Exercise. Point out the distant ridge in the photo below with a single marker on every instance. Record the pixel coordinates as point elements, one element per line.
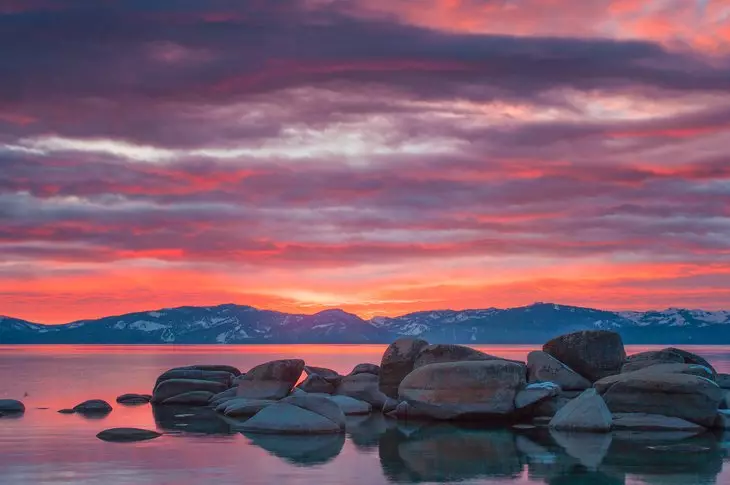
<point>240,324</point>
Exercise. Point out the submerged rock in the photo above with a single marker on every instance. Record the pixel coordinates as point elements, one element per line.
<point>127,435</point>
<point>397,362</point>
<point>594,354</point>
<point>11,406</point>
<point>454,390</point>
<point>272,380</point>
<point>587,412</point>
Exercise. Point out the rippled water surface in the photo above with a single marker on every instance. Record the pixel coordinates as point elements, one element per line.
<point>46,447</point>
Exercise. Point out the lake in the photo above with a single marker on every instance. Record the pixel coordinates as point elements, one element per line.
<point>44,447</point>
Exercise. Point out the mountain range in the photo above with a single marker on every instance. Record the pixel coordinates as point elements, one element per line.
<point>238,324</point>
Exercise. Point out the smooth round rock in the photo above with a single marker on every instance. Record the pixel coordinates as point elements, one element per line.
<point>134,398</point>
<point>93,406</point>
<point>11,406</point>
<point>127,435</point>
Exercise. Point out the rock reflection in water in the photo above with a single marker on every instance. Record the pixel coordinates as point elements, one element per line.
<point>365,431</point>
<point>448,453</point>
<point>186,419</point>
<point>302,450</point>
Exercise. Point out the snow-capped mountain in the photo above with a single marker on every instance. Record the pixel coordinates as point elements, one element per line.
<point>236,324</point>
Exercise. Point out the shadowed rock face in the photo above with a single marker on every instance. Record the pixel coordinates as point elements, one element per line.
<point>594,354</point>
<point>364,387</point>
<point>442,353</point>
<point>455,390</point>
<point>690,358</point>
<point>643,360</point>
<point>543,367</point>
<point>398,360</point>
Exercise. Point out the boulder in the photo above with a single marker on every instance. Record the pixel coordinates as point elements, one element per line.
<point>93,406</point>
<point>594,354</point>
<point>192,398</point>
<point>543,367</point>
<point>127,435</point>
<point>723,380</point>
<point>397,362</point>
<point>11,406</point>
<point>173,387</point>
<point>221,396</point>
<point>319,384</point>
<point>364,387</point>
<point>365,369</point>
<point>647,359</point>
<point>652,422</point>
<point>131,399</point>
<point>690,358</point>
<point>549,407</point>
<point>536,393</point>
<point>442,353</point>
<point>225,378</point>
<point>272,380</point>
<point>455,390</point>
<point>237,408</point>
<point>350,406</point>
<point>324,406</point>
<point>389,405</point>
<point>587,412</point>
<point>322,372</point>
<point>689,369</point>
<point>651,391</point>
<point>284,418</point>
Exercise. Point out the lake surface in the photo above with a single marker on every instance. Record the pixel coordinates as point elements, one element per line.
<point>46,447</point>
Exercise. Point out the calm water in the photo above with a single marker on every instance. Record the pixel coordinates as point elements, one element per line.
<point>46,447</point>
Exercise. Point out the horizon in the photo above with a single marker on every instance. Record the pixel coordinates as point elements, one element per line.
<point>384,157</point>
<point>364,318</point>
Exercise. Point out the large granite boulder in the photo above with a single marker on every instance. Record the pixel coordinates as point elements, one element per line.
<point>643,360</point>
<point>223,377</point>
<point>455,390</point>
<point>127,435</point>
<point>442,353</point>
<point>323,406</point>
<point>11,406</point>
<point>594,354</point>
<point>365,369</point>
<point>286,418</point>
<point>543,367</point>
<point>397,362</point>
<point>272,380</point>
<point>652,422</point>
<point>214,367</point>
<point>587,412</point>
<point>171,388</point>
<point>242,407</point>
<point>364,387</point>
<point>653,391</point>
<point>316,383</point>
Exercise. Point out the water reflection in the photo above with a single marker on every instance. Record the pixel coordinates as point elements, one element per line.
<point>300,450</point>
<point>186,419</point>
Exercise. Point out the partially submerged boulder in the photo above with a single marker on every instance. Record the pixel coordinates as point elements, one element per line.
<point>653,390</point>
<point>272,380</point>
<point>171,388</point>
<point>93,406</point>
<point>397,362</point>
<point>455,390</point>
<point>587,412</point>
<point>132,399</point>
<point>11,406</point>
<point>127,435</point>
<point>223,377</point>
<point>192,398</point>
<point>285,418</point>
<point>594,354</point>
<point>543,367</point>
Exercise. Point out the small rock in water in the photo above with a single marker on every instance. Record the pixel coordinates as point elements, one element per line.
<point>93,406</point>
<point>127,435</point>
<point>66,411</point>
<point>134,399</point>
<point>10,406</point>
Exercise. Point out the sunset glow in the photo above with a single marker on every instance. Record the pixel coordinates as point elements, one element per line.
<point>380,156</point>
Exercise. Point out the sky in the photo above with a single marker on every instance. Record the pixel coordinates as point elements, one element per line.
<point>381,156</point>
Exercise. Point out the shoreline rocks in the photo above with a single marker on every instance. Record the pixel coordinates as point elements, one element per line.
<point>272,380</point>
